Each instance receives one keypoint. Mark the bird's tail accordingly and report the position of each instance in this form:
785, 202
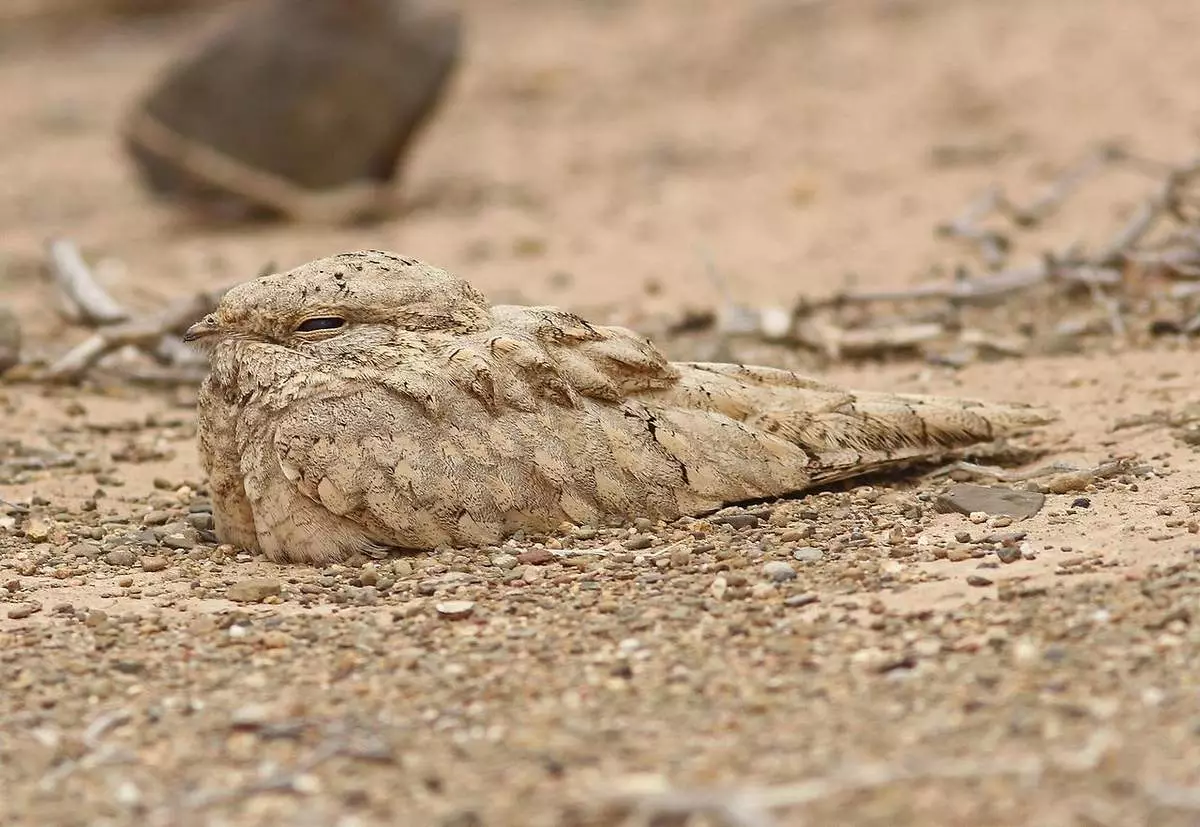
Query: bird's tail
843, 432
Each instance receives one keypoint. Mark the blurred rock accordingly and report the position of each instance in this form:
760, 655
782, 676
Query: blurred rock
10, 339
296, 108
56, 13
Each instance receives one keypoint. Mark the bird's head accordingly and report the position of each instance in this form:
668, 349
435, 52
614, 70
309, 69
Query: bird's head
360, 295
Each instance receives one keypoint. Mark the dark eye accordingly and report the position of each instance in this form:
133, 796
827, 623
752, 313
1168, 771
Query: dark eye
320, 323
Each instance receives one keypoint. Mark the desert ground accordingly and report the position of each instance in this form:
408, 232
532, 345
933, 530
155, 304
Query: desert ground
854, 656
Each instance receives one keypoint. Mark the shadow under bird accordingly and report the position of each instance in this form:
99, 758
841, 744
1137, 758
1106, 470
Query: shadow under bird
367, 401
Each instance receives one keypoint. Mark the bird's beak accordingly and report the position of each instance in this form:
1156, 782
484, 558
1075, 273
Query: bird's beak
205, 327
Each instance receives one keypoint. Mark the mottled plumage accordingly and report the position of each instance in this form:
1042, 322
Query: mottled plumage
430, 418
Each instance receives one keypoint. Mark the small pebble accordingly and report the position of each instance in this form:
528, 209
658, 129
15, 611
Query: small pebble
504, 562
807, 554
179, 541
798, 600
978, 580
156, 518
22, 611
37, 530
718, 588
120, 557
986, 500
738, 520
455, 609
1009, 554
778, 571
638, 542
762, 590
253, 590
154, 563
86, 550
200, 520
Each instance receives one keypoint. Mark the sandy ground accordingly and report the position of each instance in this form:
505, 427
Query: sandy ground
601, 155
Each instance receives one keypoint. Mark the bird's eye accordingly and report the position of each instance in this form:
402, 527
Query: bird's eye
320, 323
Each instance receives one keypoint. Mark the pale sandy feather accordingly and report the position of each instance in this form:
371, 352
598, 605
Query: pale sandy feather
433, 419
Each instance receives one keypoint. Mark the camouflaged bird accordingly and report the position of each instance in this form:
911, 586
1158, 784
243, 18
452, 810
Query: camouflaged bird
367, 401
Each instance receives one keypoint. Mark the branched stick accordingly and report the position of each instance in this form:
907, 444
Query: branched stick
1116, 276
994, 246
83, 298
978, 290
148, 335
1067, 185
158, 336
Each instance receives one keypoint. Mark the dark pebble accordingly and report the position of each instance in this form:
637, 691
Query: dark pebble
1008, 554
798, 600
738, 520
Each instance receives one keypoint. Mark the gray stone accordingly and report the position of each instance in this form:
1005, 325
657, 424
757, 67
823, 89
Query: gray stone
181, 540
798, 600
156, 517
965, 498
22, 611
121, 557
201, 520
87, 550
778, 571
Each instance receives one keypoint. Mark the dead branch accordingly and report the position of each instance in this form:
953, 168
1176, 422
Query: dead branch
993, 246
1067, 185
836, 342
84, 300
1051, 304
149, 335
13, 507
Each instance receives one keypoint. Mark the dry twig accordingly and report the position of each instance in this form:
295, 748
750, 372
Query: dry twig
84, 300
158, 336
1047, 305
149, 335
